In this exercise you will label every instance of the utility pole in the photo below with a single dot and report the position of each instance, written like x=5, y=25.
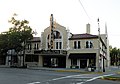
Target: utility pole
x=99, y=57
x=99, y=37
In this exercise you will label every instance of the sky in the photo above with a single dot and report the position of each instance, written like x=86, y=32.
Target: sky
x=68, y=13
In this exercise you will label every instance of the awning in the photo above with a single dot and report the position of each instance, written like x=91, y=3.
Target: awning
x=83, y=55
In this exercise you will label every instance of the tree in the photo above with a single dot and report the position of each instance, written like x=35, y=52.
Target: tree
x=3, y=47
x=19, y=33
x=16, y=36
x=115, y=56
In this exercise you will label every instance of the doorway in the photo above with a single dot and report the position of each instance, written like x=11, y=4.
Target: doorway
x=83, y=63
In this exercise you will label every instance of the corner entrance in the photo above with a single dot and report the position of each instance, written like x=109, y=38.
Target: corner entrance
x=83, y=63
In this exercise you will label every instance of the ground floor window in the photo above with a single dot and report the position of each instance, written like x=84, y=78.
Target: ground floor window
x=31, y=58
x=52, y=61
x=73, y=62
x=92, y=62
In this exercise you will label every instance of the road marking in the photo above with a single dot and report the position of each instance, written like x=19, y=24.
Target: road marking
x=94, y=78
x=34, y=83
x=66, y=77
x=56, y=79
x=98, y=77
x=72, y=76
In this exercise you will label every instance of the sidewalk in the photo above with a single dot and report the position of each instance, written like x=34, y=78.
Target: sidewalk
x=111, y=69
x=58, y=69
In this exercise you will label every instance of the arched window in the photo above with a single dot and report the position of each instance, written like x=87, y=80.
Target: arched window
x=57, y=40
x=57, y=35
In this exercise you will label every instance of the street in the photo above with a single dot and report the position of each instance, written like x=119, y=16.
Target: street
x=27, y=76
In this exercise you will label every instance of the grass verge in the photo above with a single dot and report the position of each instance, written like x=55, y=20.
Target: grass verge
x=78, y=71
x=111, y=78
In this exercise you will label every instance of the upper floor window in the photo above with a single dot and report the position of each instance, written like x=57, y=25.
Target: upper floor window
x=58, y=45
x=76, y=44
x=57, y=35
x=29, y=46
x=57, y=40
x=89, y=44
x=36, y=46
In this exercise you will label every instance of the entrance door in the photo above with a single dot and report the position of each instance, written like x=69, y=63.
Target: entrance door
x=54, y=62
x=83, y=63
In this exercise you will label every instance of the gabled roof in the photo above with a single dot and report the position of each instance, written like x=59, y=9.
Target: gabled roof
x=82, y=36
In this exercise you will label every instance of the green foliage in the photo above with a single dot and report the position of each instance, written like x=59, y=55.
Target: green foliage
x=17, y=34
x=115, y=56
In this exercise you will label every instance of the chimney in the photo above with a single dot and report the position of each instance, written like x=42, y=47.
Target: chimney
x=88, y=28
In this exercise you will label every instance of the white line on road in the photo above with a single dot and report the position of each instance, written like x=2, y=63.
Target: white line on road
x=99, y=77
x=34, y=83
x=67, y=77
x=94, y=78
x=56, y=79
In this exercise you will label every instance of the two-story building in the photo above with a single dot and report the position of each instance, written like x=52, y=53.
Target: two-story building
x=68, y=50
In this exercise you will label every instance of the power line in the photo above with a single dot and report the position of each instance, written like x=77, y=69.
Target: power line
x=84, y=9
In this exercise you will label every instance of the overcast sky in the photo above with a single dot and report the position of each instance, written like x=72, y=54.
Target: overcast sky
x=68, y=13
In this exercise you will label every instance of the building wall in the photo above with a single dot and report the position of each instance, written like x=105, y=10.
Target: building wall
x=68, y=45
x=47, y=32
x=83, y=43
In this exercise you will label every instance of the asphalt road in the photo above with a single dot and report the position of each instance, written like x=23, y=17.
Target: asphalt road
x=26, y=76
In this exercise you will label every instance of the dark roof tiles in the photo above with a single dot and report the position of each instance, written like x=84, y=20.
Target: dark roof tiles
x=82, y=36
x=35, y=39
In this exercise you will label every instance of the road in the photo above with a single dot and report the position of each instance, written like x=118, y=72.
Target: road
x=26, y=76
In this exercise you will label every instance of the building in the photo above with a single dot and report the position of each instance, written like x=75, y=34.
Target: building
x=58, y=47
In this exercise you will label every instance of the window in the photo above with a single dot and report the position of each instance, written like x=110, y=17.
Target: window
x=31, y=58
x=58, y=45
x=57, y=40
x=76, y=44
x=89, y=44
x=36, y=46
x=73, y=62
x=29, y=47
x=57, y=35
